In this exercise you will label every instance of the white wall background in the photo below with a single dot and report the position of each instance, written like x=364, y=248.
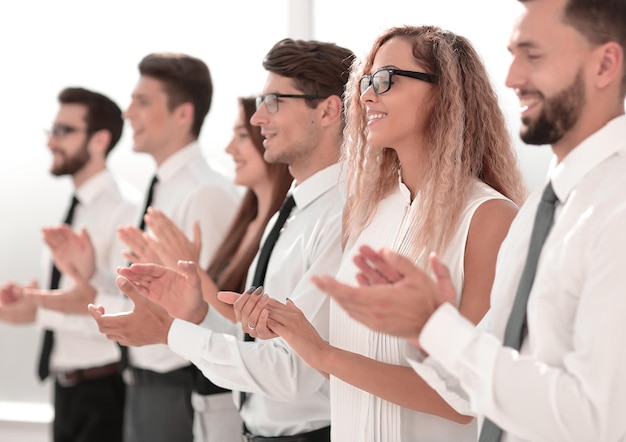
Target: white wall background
x=46, y=46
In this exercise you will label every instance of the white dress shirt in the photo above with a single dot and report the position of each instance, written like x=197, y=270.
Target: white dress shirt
x=568, y=381
x=189, y=190
x=78, y=343
x=286, y=396
x=357, y=414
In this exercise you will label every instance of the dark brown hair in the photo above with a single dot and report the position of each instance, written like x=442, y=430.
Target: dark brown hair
x=185, y=79
x=226, y=273
x=599, y=21
x=102, y=112
x=317, y=68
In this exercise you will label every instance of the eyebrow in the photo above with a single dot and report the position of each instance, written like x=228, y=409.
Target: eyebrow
x=522, y=45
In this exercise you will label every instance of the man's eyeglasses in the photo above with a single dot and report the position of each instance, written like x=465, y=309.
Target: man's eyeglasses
x=382, y=79
x=271, y=100
x=62, y=130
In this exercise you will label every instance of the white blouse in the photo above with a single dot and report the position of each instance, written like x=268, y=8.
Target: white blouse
x=357, y=414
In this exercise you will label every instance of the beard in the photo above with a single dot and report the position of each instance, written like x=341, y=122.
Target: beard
x=559, y=114
x=71, y=164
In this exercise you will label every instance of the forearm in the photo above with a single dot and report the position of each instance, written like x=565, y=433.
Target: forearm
x=394, y=383
x=238, y=365
x=209, y=293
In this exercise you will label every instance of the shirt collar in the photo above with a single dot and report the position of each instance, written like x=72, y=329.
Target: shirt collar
x=177, y=161
x=595, y=149
x=94, y=186
x=316, y=185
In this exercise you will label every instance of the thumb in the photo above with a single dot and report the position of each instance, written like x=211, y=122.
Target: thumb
x=84, y=235
x=228, y=297
x=444, y=282
x=190, y=269
x=399, y=263
x=130, y=290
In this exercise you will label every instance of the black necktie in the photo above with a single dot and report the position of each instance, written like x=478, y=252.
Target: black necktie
x=150, y=195
x=516, y=325
x=270, y=241
x=264, y=258
x=55, y=277
x=142, y=226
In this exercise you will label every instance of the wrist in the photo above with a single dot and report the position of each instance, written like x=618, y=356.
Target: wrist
x=198, y=314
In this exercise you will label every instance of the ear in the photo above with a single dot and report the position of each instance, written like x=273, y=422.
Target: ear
x=331, y=109
x=184, y=112
x=610, y=64
x=99, y=142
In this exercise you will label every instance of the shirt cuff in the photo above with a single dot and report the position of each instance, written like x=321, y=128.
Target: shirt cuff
x=187, y=339
x=446, y=335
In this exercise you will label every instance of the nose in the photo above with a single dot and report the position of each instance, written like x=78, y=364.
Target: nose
x=230, y=147
x=128, y=112
x=259, y=117
x=517, y=76
x=368, y=95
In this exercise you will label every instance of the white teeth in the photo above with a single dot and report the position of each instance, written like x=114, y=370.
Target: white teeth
x=524, y=108
x=375, y=117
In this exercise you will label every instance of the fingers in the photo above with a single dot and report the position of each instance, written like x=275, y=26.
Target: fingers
x=337, y=290
x=444, y=281
x=374, y=267
x=263, y=331
x=133, y=238
x=229, y=297
x=96, y=311
x=244, y=308
x=132, y=291
x=108, y=325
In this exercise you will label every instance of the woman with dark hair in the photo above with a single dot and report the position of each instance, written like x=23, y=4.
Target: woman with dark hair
x=216, y=417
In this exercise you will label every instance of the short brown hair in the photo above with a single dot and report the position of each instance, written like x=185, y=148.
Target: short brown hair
x=317, y=68
x=186, y=79
x=102, y=112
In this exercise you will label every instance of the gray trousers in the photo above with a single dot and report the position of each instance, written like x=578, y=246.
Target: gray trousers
x=158, y=407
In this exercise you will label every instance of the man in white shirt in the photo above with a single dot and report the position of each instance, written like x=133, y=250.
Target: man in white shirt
x=88, y=387
x=301, y=117
x=169, y=105
x=567, y=381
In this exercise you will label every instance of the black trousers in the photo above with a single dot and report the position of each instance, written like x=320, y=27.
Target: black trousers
x=91, y=411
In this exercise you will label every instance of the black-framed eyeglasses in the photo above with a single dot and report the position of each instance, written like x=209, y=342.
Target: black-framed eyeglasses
x=271, y=100
x=382, y=79
x=62, y=130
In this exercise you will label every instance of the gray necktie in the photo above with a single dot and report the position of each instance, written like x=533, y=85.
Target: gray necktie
x=516, y=325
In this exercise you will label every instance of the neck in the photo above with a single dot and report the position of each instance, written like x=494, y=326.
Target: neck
x=171, y=148
x=306, y=167
x=412, y=171
x=264, y=199
x=588, y=124
x=86, y=173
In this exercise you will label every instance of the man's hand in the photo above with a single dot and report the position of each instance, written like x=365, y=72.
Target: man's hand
x=71, y=301
x=72, y=252
x=170, y=243
x=178, y=291
x=15, y=308
x=139, y=248
x=148, y=322
x=399, y=300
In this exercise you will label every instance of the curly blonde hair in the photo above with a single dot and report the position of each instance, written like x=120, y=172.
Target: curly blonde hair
x=466, y=135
